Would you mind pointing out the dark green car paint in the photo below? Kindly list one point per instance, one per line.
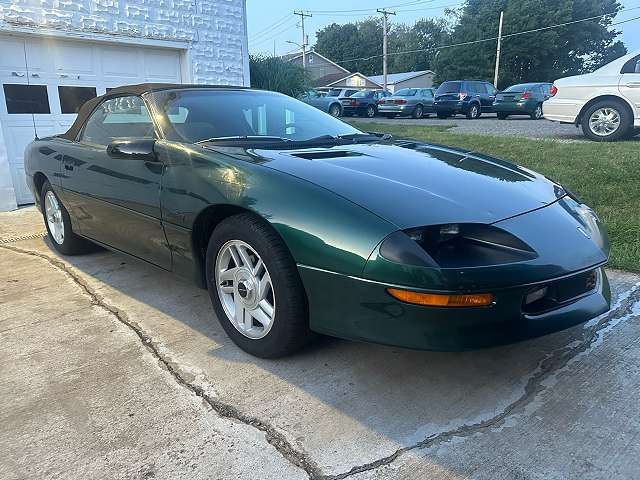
(513, 103)
(333, 206)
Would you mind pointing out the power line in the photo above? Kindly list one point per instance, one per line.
(286, 28)
(491, 39)
(373, 9)
(271, 26)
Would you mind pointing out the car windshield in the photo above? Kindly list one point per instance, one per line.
(449, 87)
(195, 115)
(362, 94)
(406, 92)
(523, 87)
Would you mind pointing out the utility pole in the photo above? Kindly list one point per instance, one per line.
(495, 77)
(304, 38)
(385, 32)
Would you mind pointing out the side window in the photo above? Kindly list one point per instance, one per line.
(425, 92)
(632, 66)
(119, 117)
(491, 90)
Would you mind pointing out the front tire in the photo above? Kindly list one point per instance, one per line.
(58, 223)
(606, 121)
(255, 288)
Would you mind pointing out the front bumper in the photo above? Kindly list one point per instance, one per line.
(360, 309)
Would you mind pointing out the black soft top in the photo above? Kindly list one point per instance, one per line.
(88, 107)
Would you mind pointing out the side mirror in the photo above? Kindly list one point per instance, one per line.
(133, 149)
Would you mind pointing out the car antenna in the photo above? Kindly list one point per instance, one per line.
(26, 65)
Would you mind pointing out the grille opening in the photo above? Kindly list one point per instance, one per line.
(553, 295)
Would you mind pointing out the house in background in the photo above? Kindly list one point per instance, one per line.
(396, 81)
(54, 55)
(354, 80)
(321, 70)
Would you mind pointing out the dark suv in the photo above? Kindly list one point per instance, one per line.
(469, 97)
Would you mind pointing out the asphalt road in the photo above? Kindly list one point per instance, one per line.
(488, 124)
(114, 369)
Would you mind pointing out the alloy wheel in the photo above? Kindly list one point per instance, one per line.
(604, 121)
(537, 114)
(371, 111)
(53, 213)
(474, 112)
(245, 289)
(334, 111)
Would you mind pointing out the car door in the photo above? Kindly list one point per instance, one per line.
(427, 99)
(487, 96)
(630, 82)
(116, 201)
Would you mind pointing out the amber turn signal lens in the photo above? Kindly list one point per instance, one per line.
(439, 300)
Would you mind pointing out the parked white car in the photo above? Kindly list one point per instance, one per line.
(605, 103)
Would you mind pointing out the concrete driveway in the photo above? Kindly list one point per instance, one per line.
(114, 369)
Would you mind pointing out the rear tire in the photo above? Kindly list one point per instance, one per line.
(56, 219)
(606, 121)
(537, 113)
(371, 112)
(417, 112)
(473, 112)
(241, 287)
(335, 110)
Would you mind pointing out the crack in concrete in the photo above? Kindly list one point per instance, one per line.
(272, 435)
(554, 362)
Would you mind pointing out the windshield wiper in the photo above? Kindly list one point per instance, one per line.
(251, 138)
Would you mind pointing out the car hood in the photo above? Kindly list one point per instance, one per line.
(413, 184)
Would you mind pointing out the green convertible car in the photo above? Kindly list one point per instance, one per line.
(298, 223)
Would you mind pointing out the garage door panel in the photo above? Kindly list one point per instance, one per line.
(22, 192)
(121, 63)
(58, 63)
(73, 60)
(161, 66)
(12, 64)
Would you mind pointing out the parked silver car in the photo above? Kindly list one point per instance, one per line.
(323, 101)
(417, 102)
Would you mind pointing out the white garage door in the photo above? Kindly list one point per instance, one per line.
(53, 77)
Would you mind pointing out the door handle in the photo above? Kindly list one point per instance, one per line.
(633, 85)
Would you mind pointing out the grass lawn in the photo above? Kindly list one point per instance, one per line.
(606, 176)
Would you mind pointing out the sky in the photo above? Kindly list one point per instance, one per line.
(271, 23)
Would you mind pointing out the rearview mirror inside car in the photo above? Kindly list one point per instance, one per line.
(133, 149)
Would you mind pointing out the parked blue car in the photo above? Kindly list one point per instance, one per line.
(323, 101)
(468, 97)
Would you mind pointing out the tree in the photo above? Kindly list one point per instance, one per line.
(350, 41)
(274, 73)
(541, 56)
(424, 35)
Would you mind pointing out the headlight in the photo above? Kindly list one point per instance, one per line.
(455, 245)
